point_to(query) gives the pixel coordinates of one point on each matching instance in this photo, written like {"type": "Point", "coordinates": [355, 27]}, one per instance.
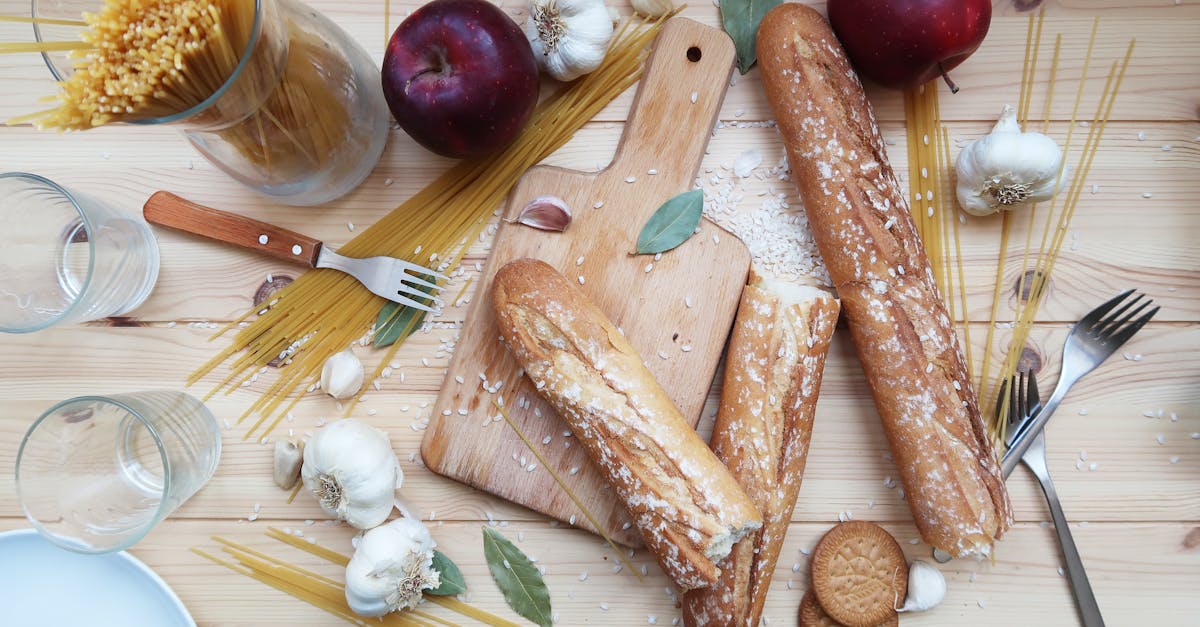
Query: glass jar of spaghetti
{"type": "Point", "coordinates": [270, 91]}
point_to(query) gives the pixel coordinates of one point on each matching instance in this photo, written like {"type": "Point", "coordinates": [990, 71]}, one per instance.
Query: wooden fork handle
{"type": "Point", "coordinates": [167, 209]}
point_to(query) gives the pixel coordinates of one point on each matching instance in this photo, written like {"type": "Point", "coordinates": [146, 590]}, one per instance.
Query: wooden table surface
{"type": "Point", "coordinates": [1134, 505]}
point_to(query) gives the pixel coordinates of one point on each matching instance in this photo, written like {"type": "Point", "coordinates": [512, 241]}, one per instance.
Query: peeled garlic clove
{"type": "Point", "coordinates": [548, 213]}
{"type": "Point", "coordinates": [652, 8]}
{"type": "Point", "coordinates": [289, 456]}
{"type": "Point", "coordinates": [926, 588]}
{"type": "Point", "coordinates": [342, 375]}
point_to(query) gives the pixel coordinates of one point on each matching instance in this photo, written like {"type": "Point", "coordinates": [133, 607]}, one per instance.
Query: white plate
{"type": "Point", "coordinates": [42, 584]}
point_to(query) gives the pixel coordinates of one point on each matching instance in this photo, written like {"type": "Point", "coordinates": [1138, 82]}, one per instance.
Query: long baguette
{"type": "Point", "coordinates": [687, 507]}
{"type": "Point", "coordinates": [772, 376]}
{"type": "Point", "coordinates": [905, 339]}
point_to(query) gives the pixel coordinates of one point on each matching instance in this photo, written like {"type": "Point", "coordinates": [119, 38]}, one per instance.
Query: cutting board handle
{"type": "Point", "coordinates": [167, 209]}
{"type": "Point", "coordinates": [689, 61]}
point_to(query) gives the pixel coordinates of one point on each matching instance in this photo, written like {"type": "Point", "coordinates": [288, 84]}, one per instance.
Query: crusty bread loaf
{"type": "Point", "coordinates": [772, 376]}
{"type": "Point", "coordinates": [905, 339]}
{"type": "Point", "coordinates": [688, 508]}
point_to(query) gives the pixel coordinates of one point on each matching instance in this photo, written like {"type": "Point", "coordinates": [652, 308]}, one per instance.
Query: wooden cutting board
{"type": "Point", "coordinates": [676, 311]}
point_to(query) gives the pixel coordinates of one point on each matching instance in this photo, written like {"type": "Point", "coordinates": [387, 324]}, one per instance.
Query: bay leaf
{"type": "Point", "coordinates": [517, 577]}
{"type": "Point", "coordinates": [741, 19]}
{"type": "Point", "coordinates": [672, 224]}
{"type": "Point", "coordinates": [396, 322]}
{"type": "Point", "coordinates": [452, 581]}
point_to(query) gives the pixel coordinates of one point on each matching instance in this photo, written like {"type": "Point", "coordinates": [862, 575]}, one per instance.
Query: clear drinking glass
{"type": "Point", "coordinates": [96, 473]}
{"type": "Point", "coordinates": [65, 257]}
{"type": "Point", "coordinates": [302, 119]}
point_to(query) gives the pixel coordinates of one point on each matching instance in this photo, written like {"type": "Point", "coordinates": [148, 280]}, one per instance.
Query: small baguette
{"type": "Point", "coordinates": [905, 340]}
{"type": "Point", "coordinates": [772, 377]}
{"type": "Point", "coordinates": [687, 507]}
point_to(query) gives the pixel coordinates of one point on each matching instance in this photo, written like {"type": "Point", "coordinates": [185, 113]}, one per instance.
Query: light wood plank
{"type": "Point", "coordinates": [848, 461]}
{"type": "Point", "coordinates": [1160, 84]}
{"type": "Point", "coordinates": [1022, 586]}
{"type": "Point", "coordinates": [1118, 238]}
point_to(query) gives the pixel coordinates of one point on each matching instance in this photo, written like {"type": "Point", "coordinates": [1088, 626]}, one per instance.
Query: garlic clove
{"type": "Point", "coordinates": [342, 375]}
{"type": "Point", "coordinates": [926, 588]}
{"type": "Point", "coordinates": [548, 213]}
{"type": "Point", "coordinates": [652, 8]}
{"type": "Point", "coordinates": [289, 457]}
{"type": "Point", "coordinates": [351, 469]}
{"type": "Point", "coordinates": [391, 567]}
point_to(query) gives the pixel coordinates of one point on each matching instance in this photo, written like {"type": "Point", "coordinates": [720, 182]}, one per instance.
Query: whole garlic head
{"type": "Point", "coordinates": [351, 469]}
{"type": "Point", "coordinates": [1008, 167]}
{"type": "Point", "coordinates": [342, 375]}
{"type": "Point", "coordinates": [391, 567]}
{"type": "Point", "coordinates": [926, 588]}
{"type": "Point", "coordinates": [569, 37]}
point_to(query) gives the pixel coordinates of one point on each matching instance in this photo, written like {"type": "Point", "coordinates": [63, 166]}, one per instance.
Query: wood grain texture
{"type": "Point", "coordinates": [1140, 504]}
{"type": "Point", "coordinates": [675, 310]}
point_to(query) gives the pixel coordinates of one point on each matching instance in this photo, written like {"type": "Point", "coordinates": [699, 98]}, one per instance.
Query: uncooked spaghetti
{"type": "Point", "coordinates": [270, 86]}
{"type": "Point", "coordinates": [324, 311]}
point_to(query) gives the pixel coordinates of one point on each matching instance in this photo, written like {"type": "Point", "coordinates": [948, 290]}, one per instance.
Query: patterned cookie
{"type": "Point", "coordinates": [859, 574]}
{"type": "Point", "coordinates": [811, 614]}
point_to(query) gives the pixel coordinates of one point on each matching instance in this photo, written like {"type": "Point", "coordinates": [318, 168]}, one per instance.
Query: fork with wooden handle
{"type": "Point", "coordinates": [391, 278]}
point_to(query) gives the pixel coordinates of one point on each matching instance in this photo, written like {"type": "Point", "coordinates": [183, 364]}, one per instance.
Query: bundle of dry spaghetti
{"type": "Point", "coordinates": [156, 59]}
{"type": "Point", "coordinates": [324, 311]}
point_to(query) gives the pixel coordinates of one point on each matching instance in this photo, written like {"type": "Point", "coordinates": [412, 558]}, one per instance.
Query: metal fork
{"type": "Point", "coordinates": [1024, 403]}
{"type": "Point", "coordinates": [1097, 335]}
{"type": "Point", "coordinates": [389, 277]}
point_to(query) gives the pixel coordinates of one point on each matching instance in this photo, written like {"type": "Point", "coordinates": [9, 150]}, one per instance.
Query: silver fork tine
{"type": "Point", "coordinates": [412, 267]}
{"type": "Point", "coordinates": [412, 303]}
{"type": "Point", "coordinates": [408, 278]}
{"type": "Point", "coordinates": [412, 291]}
{"type": "Point", "coordinates": [1122, 336]}
{"type": "Point", "coordinates": [1114, 324]}
{"type": "Point", "coordinates": [1112, 321]}
{"type": "Point", "coordinates": [1089, 320]}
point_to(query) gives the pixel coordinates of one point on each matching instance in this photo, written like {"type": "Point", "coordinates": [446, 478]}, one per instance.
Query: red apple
{"type": "Point", "coordinates": [460, 77]}
{"type": "Point", "coordinates": [903, 43]}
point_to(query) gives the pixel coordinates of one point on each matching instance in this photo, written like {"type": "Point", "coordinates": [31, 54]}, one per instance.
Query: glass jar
{"type": "Point", "coordinates": [301, 119]}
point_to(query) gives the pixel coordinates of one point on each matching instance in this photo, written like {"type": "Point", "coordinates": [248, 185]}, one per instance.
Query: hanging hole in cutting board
{"type": "Point", "coordinates": [693, 54]}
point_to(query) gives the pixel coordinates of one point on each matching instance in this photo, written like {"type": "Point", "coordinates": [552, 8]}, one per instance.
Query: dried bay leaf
{"type": "Point", "coordinates": [517, 577]}
{"type": "Point", "coordinates": [396, 322]}
{"type": "Point", "coordinates": [741, 19]}
{"type": "Point", "coordinates": [672, 224]}
{"type": "Point", "coordinates": [452, 581]}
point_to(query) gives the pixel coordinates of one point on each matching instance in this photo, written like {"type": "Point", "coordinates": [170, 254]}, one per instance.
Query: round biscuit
{"type": "Point", "coordinates": [859, 574]}
{"type": "Point", "coordinates": [811, 614]}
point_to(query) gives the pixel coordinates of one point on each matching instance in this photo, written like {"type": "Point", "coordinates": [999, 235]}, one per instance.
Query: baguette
{"type": "Point", "coordinates": [772, 376]}
{"type": "Point", "coordinates": [905, 340]}
{"type": "Point", "coordinates": [687, 507]}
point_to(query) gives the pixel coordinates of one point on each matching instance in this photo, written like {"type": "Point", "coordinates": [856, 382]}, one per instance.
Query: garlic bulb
{"type": "Point", "coordinates": [351, 469]}
{"type": "Point", "coordinates": [569, 37]}
{"type": "Point", "coordinates": [342, 375]}
{"type": "Point", "coordinates": [391, 566]}
{"type": "Point", "coordinates": [926, 588]}
{"type": "Point", "coordinates": [1008, 167]}
{"type": "Point", "coordinates": [652, 8]}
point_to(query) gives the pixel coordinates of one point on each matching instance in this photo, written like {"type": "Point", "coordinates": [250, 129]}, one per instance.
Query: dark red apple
{"type": "Point", "coordinates": [903, 43]}
{"type": "Point", "coordinates": [460, 77]}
